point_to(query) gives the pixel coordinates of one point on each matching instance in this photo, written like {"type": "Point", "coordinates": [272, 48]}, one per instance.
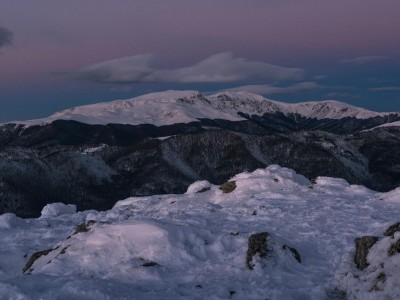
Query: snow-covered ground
{"type": "Point", "coordinates": [392, 124]}
{"type": "Point", "coordinates": [171, 107]}
{"type": "Point", "coordinates": [193, 246]}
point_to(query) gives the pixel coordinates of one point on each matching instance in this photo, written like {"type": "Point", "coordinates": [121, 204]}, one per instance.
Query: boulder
{"type": "Point", "coordinates": [228, 187]}
{"type": "Point", "coordinates": [267, 246]}
{"type": "Point", "coordinates": [363, 244]}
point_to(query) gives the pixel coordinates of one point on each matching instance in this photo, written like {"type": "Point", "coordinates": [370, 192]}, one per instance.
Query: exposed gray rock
{"type": "Point", "coordinates": [84, 227]}
{"type": "Point", "coordinates": [150, 264]}
{"type": "Point", "coordinates": [257, 245]}
{"type": "Point", "coordinates": [392, 229]}
{"type": "Point", "coordinates": [295, 253]}
{"type": "Point", "coordinates": [380, 279]}
{"type": "Point", "coordinates": [266, 246]}
{"type": "Point", "coordinates": [228, 187]}
{"type": "Point", "coordinates": [203, 190]}
{"type": "Point", "coordinates": [34, 257]}
{"type": "Point", "coordinates": [377, 276]}
{"type": "Point", "coordinates": [363, 244]}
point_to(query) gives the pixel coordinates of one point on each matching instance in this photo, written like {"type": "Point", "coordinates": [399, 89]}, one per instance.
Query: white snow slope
{"type": "Point", "coordinates": [171, 107]}
{"type": "Point", "coordinates": [193, 246]}
{"type": "Point", "coordinates": [392, 124]}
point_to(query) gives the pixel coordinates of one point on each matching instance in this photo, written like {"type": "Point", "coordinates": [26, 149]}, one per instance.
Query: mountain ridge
{"type": "Point", "coordinates": [94, 165]}
{"type": "Point", "coordinates": [173, 107]}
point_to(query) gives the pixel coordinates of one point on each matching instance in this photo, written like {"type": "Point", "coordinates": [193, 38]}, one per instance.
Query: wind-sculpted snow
{"type": "Point", "coordinates": [193, 245]}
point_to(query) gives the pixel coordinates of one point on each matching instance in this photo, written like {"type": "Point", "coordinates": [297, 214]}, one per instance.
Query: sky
{"type": "Point", "coordinates": [58, 54]}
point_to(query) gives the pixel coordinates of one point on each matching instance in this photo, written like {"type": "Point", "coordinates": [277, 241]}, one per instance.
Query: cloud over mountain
{"type": "Point", "coordinates": [363, 60]}
{"type": "Point", "coordinates": [268, 89]}
{"type": "Point", "coordinates": [385, 89]}
{"type": "Point", "coordinates": [218, 68]}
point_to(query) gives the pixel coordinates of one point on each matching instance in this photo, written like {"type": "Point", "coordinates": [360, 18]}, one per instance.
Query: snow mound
{"type": "Point", "coordinates": [10, 220]}
{"type": "Point", "coordinates": [132, 249]}
{"type": "Point", "coordinates": [198, 187]}
{"type": "Point", "coordinates": [392, 196]}
{"type": "Point", "coordinates": [284, 176]}
{"type": "Point", "coordinates": [195, 245]}
{"type": "Point", "coordinates": [263, 183]}
{"type": "Point", "coordinates": [58, 209]}
{"type": "Point", "coordinates": [329, 181]}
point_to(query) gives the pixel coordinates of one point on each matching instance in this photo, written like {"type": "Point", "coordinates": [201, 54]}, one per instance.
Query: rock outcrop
{"type": "Point", "coordinates": [362, 246]}
{"type": "Point", "coordinates": [375, 267]}
{"type": "Point", "coordinates": [392, 229]}
{"type": "Point", "coordinates": [268, 246]}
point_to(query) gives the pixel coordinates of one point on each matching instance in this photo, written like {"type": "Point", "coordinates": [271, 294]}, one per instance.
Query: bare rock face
{"type": "Point", "coordinates": [228, 187]}
{"type": "Point", "coordinates": [34, 257]}
{"type": "Point", "coordinates": [257, 245]}
{"type": "Point", "coordinates": [392, 229]}
{"type": "Point", "coordinates": [266, 245]}
{"type": "Point", "coordinates": [363, 244]}
{"type": "Point", "coordinates": [84, 227]}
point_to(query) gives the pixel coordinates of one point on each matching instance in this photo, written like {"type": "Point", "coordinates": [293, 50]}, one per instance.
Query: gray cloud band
{"type": "Point", "coordinates": [363, 60]}
{"type": "Point", "coordinates": [218, 68]}
{"type": "Point", "coordinates": [6, 37]}
{"type": "Point", "coordinates": [267, 89]}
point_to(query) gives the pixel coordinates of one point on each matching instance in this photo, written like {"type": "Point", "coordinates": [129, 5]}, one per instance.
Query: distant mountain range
{"type": "Point", "coordinates": [183, 107]}
{"type": "Point", "coordinates": [97, 154]}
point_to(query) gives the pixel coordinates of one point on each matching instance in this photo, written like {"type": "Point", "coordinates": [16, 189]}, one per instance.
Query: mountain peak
{"type": "Point", "coordinates": [172, 107]}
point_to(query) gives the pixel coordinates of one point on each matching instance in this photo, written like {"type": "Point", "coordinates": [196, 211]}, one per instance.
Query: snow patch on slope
{"type": "Point", "coordinates": [392, 124]}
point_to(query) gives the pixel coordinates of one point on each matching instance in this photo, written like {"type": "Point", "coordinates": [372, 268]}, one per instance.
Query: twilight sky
{"type": "Point", "coordinates": [59, 54]}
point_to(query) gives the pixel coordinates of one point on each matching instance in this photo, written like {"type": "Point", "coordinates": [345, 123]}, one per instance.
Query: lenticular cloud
{"type": "Point", "coordinates": [218, 68]}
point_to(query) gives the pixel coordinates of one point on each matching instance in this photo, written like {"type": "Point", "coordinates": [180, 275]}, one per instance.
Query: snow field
{"type": "Point", "coordinates": [193, 246]}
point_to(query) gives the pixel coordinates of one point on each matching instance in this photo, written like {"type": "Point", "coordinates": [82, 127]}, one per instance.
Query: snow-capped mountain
{"type": "Point", "coordinates": [172, 107]}
{"type": "Point", "coordinates": [180, 137]}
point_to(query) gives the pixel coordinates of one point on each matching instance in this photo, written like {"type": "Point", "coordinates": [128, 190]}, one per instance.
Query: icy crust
{"type": "Point", "coordinates": [172, 107]}
{"type": "Point", "coordinates": [193, 246]}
